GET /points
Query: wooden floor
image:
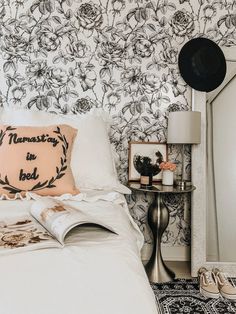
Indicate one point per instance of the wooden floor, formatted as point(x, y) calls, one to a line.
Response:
point(181, 269)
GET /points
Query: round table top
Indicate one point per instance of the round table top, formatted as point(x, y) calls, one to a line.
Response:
point(159, 188)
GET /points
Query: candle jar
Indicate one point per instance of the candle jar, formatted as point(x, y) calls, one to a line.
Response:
point(146, 181)
point(146, 178)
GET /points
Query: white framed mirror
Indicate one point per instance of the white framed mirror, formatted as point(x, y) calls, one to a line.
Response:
point(214, 175)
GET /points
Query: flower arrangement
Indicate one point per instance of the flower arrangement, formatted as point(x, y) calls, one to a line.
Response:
point(167, 165)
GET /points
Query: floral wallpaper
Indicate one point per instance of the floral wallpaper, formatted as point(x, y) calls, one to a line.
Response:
point(68, 56)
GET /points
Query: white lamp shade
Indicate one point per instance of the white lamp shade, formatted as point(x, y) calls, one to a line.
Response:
point(184, 127)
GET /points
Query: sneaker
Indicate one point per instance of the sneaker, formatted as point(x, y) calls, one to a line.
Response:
point(227, 289)
point(208, 283)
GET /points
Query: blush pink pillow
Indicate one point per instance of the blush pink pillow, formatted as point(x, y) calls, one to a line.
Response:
point(36, 159)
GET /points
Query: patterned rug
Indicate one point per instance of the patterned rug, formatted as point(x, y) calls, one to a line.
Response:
point(182, 296)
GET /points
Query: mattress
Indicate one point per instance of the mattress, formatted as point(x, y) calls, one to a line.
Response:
point(101, 274)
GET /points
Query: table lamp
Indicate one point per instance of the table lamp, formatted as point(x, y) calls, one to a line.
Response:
point(184, 127)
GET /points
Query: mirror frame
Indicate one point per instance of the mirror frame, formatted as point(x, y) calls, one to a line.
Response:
point(199, 176)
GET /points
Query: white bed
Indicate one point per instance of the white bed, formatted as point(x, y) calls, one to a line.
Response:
point(101, 274)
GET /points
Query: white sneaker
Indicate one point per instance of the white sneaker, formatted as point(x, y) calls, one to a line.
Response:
point(208, 283)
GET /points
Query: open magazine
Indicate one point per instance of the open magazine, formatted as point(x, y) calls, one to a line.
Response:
point(43, 227)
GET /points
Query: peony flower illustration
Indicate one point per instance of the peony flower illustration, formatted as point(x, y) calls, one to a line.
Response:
point(89, 16)
point(48, 40)
point(37, 69)
point(151, 83)
point(87, 79)
point(110, 53)
point(169, 55)
point(118, 5)
point(77, 49)
point(18, 94)
point(182, 23)
point(143, 47)
point(57, 77)
point(132, 80)
point(82, 105)
point(113, 99)
point(14, 43)
point(209, 12)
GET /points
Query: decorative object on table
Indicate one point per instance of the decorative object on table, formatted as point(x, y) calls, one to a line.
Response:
point(146, 170)
point(168, 169)
point(158, 220)
point(146, 155)
point(184, 127)
point(183, 296)
point(202, 64)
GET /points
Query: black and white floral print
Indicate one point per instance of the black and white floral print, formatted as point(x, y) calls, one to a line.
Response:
point(67, 56)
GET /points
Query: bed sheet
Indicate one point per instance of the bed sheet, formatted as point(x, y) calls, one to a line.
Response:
point(101, 274)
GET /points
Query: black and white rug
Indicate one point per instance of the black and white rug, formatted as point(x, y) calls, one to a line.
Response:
point(182, 296)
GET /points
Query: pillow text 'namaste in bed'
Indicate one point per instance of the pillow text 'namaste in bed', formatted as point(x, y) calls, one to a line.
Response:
point(36, 159)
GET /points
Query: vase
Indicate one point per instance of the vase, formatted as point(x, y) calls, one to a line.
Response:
point(167, 177)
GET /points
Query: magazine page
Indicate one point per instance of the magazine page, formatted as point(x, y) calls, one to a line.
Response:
point(59, 218)
point(23, 233)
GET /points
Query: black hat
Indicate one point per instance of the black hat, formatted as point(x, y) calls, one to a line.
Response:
point(202, 64)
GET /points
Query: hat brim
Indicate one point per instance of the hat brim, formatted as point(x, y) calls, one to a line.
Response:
point(202, 64)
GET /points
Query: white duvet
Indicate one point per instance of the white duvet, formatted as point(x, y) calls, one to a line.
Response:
point(101, 274)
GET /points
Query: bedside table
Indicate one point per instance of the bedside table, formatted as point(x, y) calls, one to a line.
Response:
point(158, 220)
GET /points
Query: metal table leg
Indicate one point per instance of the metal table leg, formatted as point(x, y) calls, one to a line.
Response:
point(158, 220)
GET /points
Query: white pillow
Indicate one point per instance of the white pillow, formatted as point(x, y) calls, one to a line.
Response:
point(92, 162)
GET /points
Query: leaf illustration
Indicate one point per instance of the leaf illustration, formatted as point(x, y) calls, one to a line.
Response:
point(60, 175)
point(39, 185)
point(12, 190)
point(2, 182)
point(10, 128)
point(51, 186)
point(64, 150)
point(64, 168)
point(51, 181)
point(6, 180)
